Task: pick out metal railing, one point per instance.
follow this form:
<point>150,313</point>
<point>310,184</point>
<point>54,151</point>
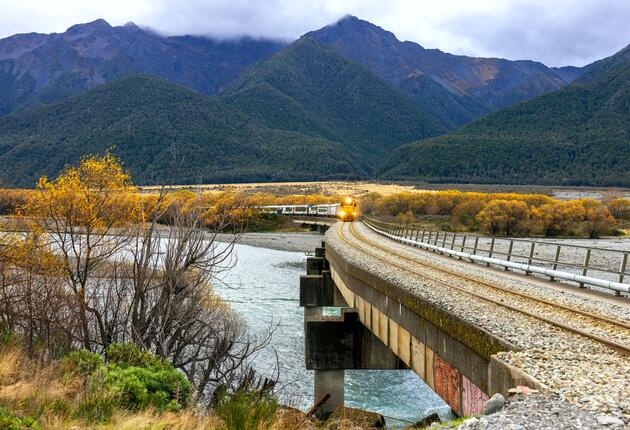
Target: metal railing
<point>583,265</point>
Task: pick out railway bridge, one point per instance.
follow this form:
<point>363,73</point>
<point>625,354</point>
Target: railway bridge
<point>411,299</point>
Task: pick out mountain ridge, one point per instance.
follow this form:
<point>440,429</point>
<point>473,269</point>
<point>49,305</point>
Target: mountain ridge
<point>41,68</point>
<point>476,85</point>
<point>309,88</point>
<point>577,135</point>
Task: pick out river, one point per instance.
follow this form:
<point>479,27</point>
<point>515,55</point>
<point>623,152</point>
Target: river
<point>263,286</point>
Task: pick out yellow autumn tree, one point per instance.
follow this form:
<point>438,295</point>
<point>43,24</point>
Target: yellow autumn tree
<point>85,215</point>
<point>504,216</point>
<point>620,208</point>
<point>558,218</point>
<point>597,220</point>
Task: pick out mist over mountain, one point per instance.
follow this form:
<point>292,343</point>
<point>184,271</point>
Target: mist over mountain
<point>42,68</point>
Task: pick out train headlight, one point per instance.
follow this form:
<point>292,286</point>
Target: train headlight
<point>348,200</point>
<point>342,214</point>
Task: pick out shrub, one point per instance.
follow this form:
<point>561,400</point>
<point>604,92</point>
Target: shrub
<point>10,421</point>
<point>141,379</point>
<point>82,362</point>
<point>128,354</point>
<point>597,220</point>
<point>138,388</point>
<point>466,213</point>
<point>246,410</point>
<point>559,217</point>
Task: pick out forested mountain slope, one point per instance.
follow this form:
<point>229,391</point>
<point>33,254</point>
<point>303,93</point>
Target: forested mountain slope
<point>145,120</point>
<point>579,135</point>
<point>309,88</point>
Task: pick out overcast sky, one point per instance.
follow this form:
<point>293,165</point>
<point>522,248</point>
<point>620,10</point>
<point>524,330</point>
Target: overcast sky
<point>556,32</point>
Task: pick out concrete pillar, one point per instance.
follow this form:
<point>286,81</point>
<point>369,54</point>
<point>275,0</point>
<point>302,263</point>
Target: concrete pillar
<point>329,382</point>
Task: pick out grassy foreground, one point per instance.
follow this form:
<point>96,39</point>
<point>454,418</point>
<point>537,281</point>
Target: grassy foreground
<point>128,389</point>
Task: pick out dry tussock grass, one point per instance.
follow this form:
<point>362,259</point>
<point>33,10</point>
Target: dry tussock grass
<point>32,387</point>
<point>356,189</point>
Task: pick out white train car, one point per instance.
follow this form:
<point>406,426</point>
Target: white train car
<point>324,210</point>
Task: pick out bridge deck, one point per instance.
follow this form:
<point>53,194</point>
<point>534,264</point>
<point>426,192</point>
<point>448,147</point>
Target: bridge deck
<point>576,349</point>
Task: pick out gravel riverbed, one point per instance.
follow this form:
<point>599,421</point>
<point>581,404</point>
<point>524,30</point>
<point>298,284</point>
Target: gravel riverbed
<point>578,370</point>
<point>282,241</point>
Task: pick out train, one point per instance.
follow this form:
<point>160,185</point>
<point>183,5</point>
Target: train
<point>346,210</point>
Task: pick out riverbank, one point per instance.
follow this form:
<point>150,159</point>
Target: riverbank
<point>305,242</point>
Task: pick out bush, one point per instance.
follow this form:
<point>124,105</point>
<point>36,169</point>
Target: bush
<point>141,379</point>
<point>597,220</point>
<point>128,354</point>
<point>165,389</point>
<point>10,421</point>
<point>130,379</point>
<point>504,216</point>
<point>245,410</point>
<point>620,208</point>
<point>82,362</point>
<point>558,218</point>
<point>466,213</point>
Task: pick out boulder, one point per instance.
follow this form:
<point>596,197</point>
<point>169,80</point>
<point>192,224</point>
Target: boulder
<point>609,420</point>
<point>494,404</point>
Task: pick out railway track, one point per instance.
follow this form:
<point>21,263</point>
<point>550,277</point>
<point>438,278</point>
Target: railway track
<point>612,333</point>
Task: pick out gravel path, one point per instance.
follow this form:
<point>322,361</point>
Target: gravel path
<point>580,370</point>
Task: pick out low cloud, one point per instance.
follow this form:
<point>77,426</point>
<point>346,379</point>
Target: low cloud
<point>558,32</point>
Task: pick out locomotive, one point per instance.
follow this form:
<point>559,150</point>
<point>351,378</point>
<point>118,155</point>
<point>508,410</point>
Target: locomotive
<point>348,210</point>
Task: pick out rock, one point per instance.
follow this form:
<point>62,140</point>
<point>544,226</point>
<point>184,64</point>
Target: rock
<point>495,404</point>
<point>426,421</point>
<point>469,423</point>
<point>609,420</point>
<point>358,417</point>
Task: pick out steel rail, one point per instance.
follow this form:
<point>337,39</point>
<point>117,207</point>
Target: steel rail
<point>528,268</point>
<point>623,349</point>
<point>496,287</point>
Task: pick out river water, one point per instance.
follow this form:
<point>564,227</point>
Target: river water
<point>263,286</point>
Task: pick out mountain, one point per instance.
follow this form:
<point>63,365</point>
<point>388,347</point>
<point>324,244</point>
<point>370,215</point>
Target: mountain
<point>42,68</point>
<point>311,89</point>
<point>463,88</point>
<point>144,119</point>
<point>578,135</point>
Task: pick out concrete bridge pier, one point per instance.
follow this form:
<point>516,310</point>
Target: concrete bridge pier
<point>331,383</point>
<point>337,342</point>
